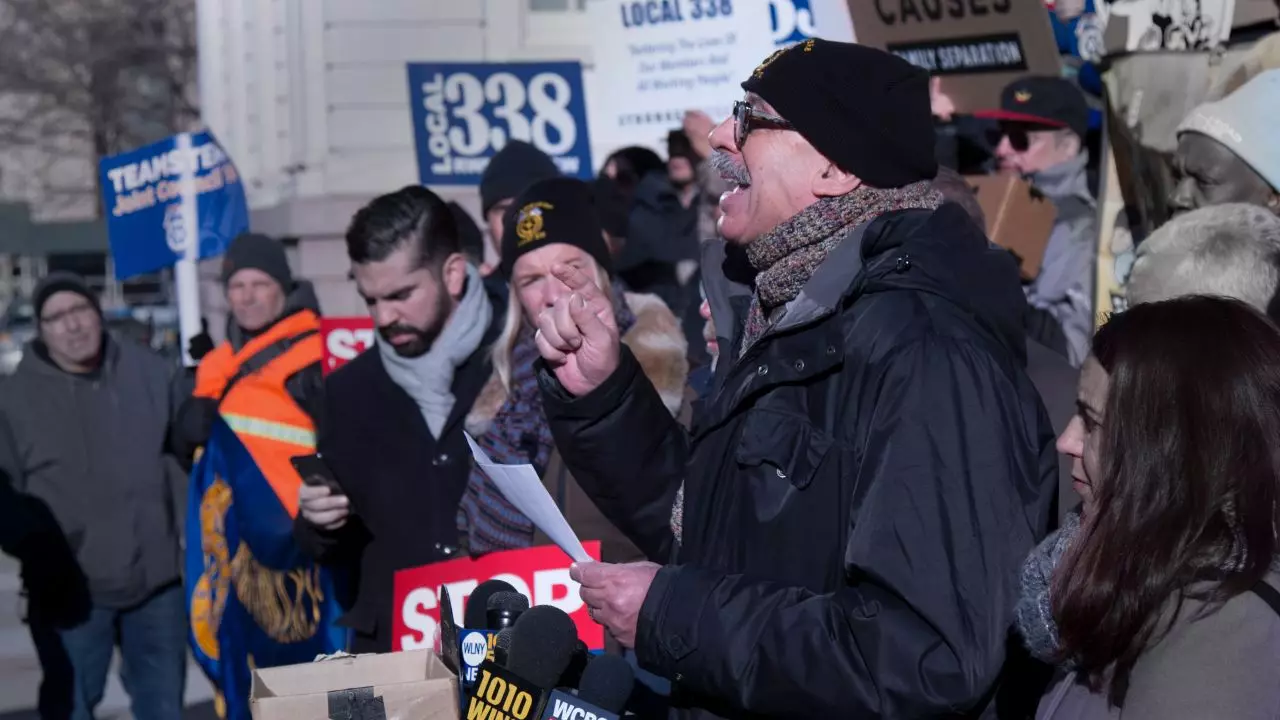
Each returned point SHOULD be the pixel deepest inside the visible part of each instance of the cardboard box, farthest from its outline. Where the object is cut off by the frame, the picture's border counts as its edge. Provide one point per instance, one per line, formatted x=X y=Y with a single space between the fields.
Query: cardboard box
x=1019 y=218
x=396 y=686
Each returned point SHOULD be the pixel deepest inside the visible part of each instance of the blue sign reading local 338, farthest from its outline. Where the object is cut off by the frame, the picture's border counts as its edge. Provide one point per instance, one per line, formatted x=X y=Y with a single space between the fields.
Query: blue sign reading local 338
x=169 y=197
x=464 y=113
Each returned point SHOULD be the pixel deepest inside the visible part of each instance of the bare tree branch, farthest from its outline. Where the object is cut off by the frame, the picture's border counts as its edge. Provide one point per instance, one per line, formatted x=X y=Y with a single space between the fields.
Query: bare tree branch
x=88 y=78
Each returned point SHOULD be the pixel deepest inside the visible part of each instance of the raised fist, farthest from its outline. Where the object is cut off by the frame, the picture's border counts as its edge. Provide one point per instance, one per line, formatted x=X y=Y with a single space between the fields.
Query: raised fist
x=578 y=336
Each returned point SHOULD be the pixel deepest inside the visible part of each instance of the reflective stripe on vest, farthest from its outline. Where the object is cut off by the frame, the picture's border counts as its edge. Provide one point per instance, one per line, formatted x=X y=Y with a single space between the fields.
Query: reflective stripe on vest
x=258 y=427
x=258 y=408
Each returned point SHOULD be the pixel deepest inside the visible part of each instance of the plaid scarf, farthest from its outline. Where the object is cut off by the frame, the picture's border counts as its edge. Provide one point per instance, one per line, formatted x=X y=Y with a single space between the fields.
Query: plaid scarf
x=518 y=434
x=787 y=256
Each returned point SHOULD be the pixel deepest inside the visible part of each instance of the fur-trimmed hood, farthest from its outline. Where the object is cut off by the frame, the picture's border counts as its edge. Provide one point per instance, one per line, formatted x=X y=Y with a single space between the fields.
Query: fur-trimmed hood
x=657 y=341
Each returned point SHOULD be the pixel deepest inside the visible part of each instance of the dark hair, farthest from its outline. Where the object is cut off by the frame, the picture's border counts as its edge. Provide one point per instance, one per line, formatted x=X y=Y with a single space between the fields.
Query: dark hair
x=470 y=239
x=410 y=214
x=1187 y=501
x=633 y=163
x=956 y=189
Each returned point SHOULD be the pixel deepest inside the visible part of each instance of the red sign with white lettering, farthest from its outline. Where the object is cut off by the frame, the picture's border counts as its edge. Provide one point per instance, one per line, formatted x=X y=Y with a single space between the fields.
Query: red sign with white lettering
x=540 y=574
x=344 y=338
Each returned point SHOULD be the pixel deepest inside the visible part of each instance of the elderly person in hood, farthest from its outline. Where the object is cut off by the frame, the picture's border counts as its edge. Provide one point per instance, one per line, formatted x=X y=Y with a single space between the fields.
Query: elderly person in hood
x=873 y=464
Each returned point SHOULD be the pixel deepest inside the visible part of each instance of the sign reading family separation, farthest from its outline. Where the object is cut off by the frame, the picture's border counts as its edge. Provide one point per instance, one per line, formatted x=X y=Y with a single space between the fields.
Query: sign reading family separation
x=464 y=113
x=975 y=46
x=655 y=60
x=169 y=197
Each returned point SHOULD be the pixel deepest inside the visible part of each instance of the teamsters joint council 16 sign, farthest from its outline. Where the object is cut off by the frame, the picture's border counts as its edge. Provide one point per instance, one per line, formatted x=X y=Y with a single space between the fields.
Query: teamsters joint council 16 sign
x=464 y=113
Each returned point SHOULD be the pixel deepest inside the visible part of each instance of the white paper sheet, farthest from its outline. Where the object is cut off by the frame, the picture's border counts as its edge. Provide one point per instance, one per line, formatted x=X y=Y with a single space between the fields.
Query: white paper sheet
x=523 y=488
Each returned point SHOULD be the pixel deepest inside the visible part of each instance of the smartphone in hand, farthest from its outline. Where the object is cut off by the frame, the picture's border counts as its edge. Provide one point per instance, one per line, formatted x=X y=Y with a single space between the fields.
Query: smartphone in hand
x=314 y=471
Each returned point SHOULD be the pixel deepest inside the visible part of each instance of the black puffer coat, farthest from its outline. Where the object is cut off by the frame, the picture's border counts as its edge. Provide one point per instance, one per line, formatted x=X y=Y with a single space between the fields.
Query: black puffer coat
x=861 y=488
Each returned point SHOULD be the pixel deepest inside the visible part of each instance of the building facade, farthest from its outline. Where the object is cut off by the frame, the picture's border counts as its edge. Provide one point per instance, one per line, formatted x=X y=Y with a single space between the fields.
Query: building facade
x=310 y=98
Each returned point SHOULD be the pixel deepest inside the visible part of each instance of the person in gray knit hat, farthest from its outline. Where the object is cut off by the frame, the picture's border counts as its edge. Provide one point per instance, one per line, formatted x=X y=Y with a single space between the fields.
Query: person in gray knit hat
x=270 y=313
x=872 y=465
x=83 y=424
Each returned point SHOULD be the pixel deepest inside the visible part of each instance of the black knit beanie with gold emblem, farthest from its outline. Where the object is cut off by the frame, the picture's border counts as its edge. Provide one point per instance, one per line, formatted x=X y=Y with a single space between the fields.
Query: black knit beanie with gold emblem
x=558 y=210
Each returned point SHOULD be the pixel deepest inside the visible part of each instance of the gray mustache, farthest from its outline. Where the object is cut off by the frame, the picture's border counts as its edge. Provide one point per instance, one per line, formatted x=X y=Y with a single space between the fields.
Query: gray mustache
x=728 y=169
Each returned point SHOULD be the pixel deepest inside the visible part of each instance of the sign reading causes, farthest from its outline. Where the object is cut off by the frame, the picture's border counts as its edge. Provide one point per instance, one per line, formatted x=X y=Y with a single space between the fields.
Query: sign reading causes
x=169 y=198
x=540 y=574
x=977 y=46
x=655 y=60
x=464 y=113
x=344 y=338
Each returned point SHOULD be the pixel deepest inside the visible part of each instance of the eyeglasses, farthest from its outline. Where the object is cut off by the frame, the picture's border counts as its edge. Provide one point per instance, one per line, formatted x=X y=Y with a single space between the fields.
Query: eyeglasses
x=747 y=118
x=59 y=319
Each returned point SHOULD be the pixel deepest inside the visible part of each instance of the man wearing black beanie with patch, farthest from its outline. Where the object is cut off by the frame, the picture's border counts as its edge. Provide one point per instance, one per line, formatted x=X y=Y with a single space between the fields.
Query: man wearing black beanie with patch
x=843 y=533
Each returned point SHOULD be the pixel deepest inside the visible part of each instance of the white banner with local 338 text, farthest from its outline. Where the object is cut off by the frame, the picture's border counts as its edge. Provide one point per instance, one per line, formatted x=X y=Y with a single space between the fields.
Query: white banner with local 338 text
x=655 y=60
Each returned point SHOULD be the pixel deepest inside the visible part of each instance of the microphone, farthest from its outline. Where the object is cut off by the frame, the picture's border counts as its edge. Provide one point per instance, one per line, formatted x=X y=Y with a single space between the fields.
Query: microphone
x=474 y=617
x=572 y=675
x=504 y=608
x=606 y=686
x=607 y=683
x=542 y=643
x=502 y=645
x=476 y=638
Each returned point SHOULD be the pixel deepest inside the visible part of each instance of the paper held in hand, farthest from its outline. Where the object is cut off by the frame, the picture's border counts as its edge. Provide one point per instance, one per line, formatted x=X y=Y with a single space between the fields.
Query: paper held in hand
x=523 y=488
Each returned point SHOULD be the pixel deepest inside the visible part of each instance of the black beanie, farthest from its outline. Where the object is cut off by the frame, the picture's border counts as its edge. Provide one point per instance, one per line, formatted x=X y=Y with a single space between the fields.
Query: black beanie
x=61 y=281
x=864 y=109
x=514 y=168
x=259 y=252
x=559 y=210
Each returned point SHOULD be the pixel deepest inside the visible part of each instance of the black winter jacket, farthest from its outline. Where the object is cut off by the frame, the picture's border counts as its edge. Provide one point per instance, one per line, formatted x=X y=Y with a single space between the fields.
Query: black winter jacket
x=861 y=488
x=403 y=483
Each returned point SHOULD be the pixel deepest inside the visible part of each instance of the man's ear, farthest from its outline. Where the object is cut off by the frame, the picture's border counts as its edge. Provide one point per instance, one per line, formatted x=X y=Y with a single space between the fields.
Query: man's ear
x=454 y=274
x=1273 y=203
x=831 y=181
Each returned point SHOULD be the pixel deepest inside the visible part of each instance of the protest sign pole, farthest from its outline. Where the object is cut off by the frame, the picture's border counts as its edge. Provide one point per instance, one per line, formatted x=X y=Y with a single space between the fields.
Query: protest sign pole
x=186 y=276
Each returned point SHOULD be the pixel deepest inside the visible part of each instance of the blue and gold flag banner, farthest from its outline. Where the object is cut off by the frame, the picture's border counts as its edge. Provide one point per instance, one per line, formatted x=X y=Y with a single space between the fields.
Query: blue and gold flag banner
x=253 y=599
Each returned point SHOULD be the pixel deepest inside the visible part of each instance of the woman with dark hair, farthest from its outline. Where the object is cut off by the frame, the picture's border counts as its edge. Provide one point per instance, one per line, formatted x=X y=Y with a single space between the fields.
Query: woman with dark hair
x=1158 y=598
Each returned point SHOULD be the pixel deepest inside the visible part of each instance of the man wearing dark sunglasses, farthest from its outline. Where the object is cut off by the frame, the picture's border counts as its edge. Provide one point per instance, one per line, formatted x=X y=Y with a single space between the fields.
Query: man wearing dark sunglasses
x=845 y=525
x=1043 y=121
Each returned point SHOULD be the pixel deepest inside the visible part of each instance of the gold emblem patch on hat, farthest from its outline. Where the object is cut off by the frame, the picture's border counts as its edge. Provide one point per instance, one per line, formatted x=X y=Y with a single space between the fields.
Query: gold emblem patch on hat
x=807 y=45
x=529 y=222
x=1022 y=96
x=759 y=71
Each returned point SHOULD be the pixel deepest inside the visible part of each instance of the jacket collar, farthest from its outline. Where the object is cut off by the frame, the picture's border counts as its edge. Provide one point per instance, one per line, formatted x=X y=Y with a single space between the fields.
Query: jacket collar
x=1065 y=180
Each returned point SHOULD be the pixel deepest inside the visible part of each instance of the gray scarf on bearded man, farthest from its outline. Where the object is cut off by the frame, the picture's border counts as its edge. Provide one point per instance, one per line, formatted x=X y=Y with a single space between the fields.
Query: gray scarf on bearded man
x=428 y=378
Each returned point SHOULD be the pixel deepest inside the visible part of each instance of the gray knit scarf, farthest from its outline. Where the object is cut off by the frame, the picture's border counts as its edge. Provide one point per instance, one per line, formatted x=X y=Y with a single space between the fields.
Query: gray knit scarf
x=1034 y=612
x=428 y=378
x=787 y=256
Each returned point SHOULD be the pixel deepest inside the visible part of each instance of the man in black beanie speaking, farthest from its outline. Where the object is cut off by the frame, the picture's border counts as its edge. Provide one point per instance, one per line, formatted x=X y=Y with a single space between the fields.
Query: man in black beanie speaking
x=843 y=531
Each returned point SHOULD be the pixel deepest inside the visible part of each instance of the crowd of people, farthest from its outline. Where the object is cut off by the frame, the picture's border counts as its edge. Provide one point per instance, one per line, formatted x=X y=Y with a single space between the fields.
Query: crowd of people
x=843 y=458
